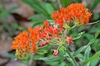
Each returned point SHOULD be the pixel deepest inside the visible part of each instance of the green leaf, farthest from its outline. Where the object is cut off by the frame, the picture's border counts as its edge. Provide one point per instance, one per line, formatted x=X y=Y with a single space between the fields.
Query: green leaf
x=37 y=57
x=71 y=61
x=69 y=64
x=91 y=41
x=92 y=58
x=25 y=61
x=13 y=8
x=37 y=23
x=4 y=14
x=14 y=26
x=80 y=56
x=97 y=34
x=89 y=4
x=94 y=29
x=1 y=7
x=49 y=58
x=42 y=51
x=95 y=3
x=78 y=1
x=49 y=8
x=10 y=56
x=52 y=63
x=87 y=53
x=63 y=64
x=40 y=5
x=37 y=17
x=51 y=21
x=79 y=50
x=88 y=36
x=65 y=3
x=79 y=35
x=84 y=47
x=62 y=50
x=95 y=62
x=96 y=16
x=37 y=7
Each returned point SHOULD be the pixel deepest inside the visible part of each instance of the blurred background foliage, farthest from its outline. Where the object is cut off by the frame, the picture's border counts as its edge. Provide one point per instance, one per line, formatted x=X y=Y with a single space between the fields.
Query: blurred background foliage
x=42 y=11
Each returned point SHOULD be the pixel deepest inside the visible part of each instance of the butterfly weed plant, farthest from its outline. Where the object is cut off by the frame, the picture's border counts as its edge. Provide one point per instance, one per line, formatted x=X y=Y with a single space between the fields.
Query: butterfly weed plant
x=54 y=39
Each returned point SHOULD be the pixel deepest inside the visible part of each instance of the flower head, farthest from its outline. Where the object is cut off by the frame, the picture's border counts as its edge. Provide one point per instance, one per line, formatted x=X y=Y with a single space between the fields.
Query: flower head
x=20 y=41
x=25 y=42
x=76 y=12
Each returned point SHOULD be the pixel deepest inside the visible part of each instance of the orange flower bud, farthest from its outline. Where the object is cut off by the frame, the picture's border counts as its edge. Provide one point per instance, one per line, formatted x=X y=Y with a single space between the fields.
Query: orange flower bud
x=55 y=52
x=70 y=40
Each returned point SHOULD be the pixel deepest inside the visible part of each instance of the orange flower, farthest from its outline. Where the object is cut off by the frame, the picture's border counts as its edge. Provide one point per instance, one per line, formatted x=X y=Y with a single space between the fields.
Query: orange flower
x=79 y=13
x=33 y=39
x=25 y=42
x=70 y=40
x=20 y=41
x=46 y=23
x=72 y=12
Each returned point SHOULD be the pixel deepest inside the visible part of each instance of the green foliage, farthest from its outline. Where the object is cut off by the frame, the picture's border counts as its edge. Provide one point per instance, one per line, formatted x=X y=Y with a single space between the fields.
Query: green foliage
x=96 y=16
x=92 y=58
x=4 y=13
x=95 y=3
x=79 y=35
x=81 y=49
x=87 y=54
x=65 y=3
x=44 y=11
x=78 y=1
x=10 y=56
x=49 y=8
x=1 y=7
x=95 y=61
x=40 y=7
x=41 y=52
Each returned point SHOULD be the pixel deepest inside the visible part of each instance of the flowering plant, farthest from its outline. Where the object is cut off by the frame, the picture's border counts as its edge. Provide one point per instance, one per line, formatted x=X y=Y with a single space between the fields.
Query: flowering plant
x=57 y=38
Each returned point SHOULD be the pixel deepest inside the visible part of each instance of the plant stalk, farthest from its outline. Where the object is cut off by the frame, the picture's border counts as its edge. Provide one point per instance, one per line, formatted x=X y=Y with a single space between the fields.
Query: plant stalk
x=75 y=63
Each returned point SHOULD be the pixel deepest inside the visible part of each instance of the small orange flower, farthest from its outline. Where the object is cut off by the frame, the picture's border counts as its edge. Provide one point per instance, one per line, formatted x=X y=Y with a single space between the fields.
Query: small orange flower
x=55 y=53
x=70 y=40
x=46 y=23
x=33 y=37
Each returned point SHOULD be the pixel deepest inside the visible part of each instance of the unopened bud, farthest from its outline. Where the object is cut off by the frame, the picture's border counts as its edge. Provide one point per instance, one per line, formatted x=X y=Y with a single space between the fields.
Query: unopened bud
x=43 y=43
x=55 y=53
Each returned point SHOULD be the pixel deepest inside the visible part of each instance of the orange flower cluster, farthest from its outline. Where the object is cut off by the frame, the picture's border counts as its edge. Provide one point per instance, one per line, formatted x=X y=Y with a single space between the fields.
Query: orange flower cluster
x=49 y=31
x=72 y=12
x=27 y=42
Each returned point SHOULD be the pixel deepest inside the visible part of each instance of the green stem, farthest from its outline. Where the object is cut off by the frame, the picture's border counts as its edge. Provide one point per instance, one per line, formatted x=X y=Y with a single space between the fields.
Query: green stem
x=75 y=63
x=73 y=27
